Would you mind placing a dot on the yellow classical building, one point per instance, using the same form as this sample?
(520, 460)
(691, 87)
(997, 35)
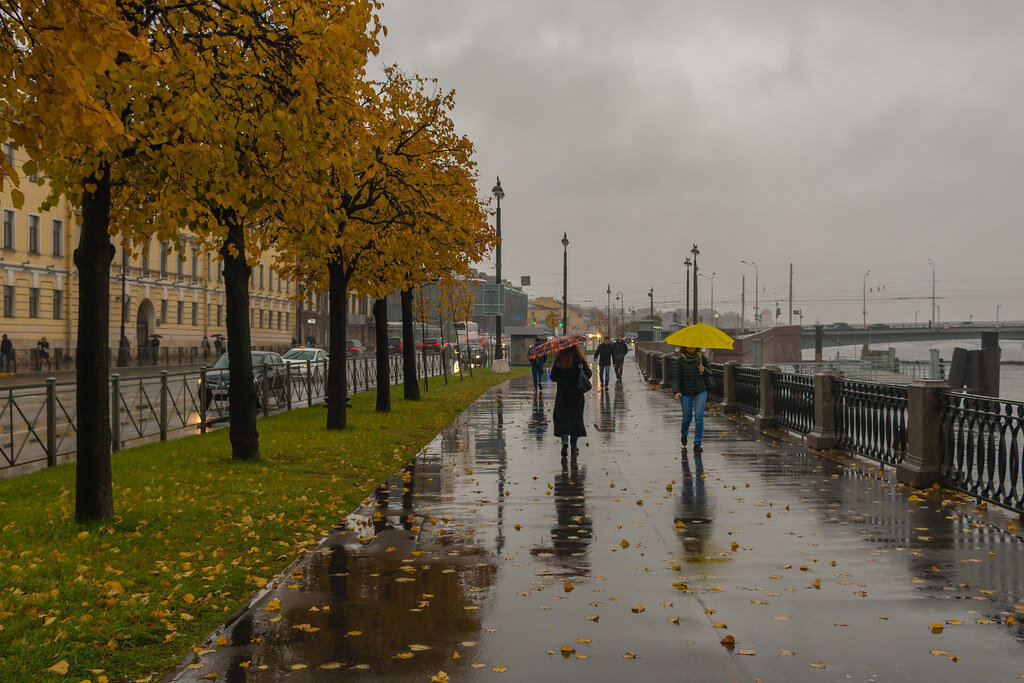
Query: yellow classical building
(176, 293)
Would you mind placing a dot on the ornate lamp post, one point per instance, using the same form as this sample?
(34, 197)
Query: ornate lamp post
(622, 312)
(696, 310)
(688, 263)
(565, 286)
(651, 294)
(864, 289)
(609, 312)
(122, 343)
(757, 311)
(499, 194)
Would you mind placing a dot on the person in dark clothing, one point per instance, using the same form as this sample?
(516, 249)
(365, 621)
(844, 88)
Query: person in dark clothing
(569, 400)
(6, 353)
(619, 350)
(689, 389)
(44, 353)
(603, 356)
(218, 346)
(204, 346)
(537, 364)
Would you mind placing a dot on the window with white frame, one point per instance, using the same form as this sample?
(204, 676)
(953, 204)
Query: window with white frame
(33, 234)
(164, 248)
(8, 301)
(9, 217)
(58, 236)
(195, 313)
(181, 311)
(33, 302)
(58, 304)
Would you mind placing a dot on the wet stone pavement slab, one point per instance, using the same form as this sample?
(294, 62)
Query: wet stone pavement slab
(488, 558)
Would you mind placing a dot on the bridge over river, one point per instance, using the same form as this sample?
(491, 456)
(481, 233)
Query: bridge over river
(883, 334)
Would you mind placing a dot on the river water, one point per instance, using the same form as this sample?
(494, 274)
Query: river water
(1011, 376)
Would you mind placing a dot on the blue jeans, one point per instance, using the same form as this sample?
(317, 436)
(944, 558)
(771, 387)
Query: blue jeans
(538, 374)
(566, 439)
(606, 372)
(693, 405)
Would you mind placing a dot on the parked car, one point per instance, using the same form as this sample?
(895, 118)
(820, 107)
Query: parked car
(473, 354)
(355, 348)
(432, 344)
(263, 363)
(298, 356)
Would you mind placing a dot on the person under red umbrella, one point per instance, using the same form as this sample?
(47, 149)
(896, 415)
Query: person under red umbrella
(567, 417)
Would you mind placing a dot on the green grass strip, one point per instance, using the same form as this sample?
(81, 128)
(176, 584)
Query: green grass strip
(194, 533)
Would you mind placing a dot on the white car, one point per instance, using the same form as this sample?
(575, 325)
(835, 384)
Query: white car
(298, 356)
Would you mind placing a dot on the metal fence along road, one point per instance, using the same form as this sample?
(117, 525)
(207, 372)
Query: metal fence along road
(37, 422)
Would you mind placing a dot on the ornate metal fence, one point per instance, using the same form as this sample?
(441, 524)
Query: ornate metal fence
(718, 373)
(748, 390)
(37, 422)
(871, 419)
(793, 396)
(982, 445)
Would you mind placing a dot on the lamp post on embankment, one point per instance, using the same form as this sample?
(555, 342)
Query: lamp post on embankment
(499, 194)
(565, 285)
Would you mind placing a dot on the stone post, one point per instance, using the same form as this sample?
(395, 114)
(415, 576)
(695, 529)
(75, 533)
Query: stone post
(765, 417)
(729, 386)
(667, 361)
(655, 378)
(924, 412)
(823, 435)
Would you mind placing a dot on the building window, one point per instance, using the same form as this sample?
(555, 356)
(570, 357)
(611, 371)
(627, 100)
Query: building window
(287, 286)
(279, 283)
(33, 302)
(195, 314)
(163, 310)
(220, 314)
(181, 311)
(270, 279)
(58, 304)
(195, 264)
(145, 260)
(181, 264)
(288, 321)
(209, 262)
(8, 229)
(58, 237)
(33, 234)
(220, 271)
(261, 276)
(8, 301)
(9, 153)
(164, 247)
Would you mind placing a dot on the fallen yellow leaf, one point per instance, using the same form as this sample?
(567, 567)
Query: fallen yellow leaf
(61, 667)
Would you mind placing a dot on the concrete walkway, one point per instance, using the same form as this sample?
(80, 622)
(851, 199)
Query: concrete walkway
(487, 559)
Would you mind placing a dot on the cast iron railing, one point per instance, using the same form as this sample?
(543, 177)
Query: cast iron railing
(748, 390)
(793, 397)
(718, 374)
(37, 422)
(982, 445)
(871, 419)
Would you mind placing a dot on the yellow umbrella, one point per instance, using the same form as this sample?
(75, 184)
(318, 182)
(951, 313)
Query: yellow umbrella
(701, 336)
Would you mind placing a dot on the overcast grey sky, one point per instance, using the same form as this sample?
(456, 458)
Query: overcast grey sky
(841, 137)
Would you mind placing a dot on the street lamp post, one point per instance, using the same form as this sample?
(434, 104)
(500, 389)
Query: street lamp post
(609, 312)
(122, 347)
(651, 294)
(687, 263)
(696, 310)
(622, 312)
(757, 309)
(934, 320)
(864, 283)
(712, 279)
(499, 194)
(998, 306)
(565, 286)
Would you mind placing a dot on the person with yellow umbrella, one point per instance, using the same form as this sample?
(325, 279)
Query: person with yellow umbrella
(691, 377)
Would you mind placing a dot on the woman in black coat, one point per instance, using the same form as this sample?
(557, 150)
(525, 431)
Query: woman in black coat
(569, 400)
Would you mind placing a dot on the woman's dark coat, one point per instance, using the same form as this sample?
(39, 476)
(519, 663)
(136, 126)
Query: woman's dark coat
(567, 417)
(686, 377)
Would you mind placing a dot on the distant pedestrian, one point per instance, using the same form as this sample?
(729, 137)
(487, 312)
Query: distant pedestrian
(570, 400)
(619, 350)
(155, 344)
(6, 353)
(603, 356)
(295, 342)
(43, 347)
(690, 389)
(205, 347)
(537, 364)
(218, 346)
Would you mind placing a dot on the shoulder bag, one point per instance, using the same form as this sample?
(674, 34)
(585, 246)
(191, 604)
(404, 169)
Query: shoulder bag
(582, 381)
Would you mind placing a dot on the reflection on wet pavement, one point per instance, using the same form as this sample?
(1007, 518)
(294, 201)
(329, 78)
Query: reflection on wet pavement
(489, 554)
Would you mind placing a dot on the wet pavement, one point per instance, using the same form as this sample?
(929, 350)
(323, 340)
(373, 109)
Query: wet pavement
(488, 558)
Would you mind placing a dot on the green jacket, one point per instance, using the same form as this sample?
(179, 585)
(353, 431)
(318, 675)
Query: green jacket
(686, 378)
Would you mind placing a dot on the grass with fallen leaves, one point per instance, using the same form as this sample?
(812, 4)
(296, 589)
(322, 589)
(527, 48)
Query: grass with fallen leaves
(194, 533)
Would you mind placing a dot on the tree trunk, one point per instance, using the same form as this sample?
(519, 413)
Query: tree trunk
(444, 345)
(243, 399)
(409, 375)
(337, 372)
(380, 321)
(94, 495)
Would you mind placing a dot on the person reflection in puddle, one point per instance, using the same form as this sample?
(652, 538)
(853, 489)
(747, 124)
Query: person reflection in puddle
(574, 529)
(538, 423)
(693, 510)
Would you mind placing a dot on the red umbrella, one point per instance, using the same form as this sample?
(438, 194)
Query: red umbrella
(557, 344)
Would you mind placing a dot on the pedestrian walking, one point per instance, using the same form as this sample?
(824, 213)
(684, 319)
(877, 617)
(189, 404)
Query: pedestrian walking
(205, 347)
(155, 344)
(537, 364)
(43, 347)
(619, 350)
(603, 356)
(6, 353)
(571, 374)
(690, 389)
(218, 346)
